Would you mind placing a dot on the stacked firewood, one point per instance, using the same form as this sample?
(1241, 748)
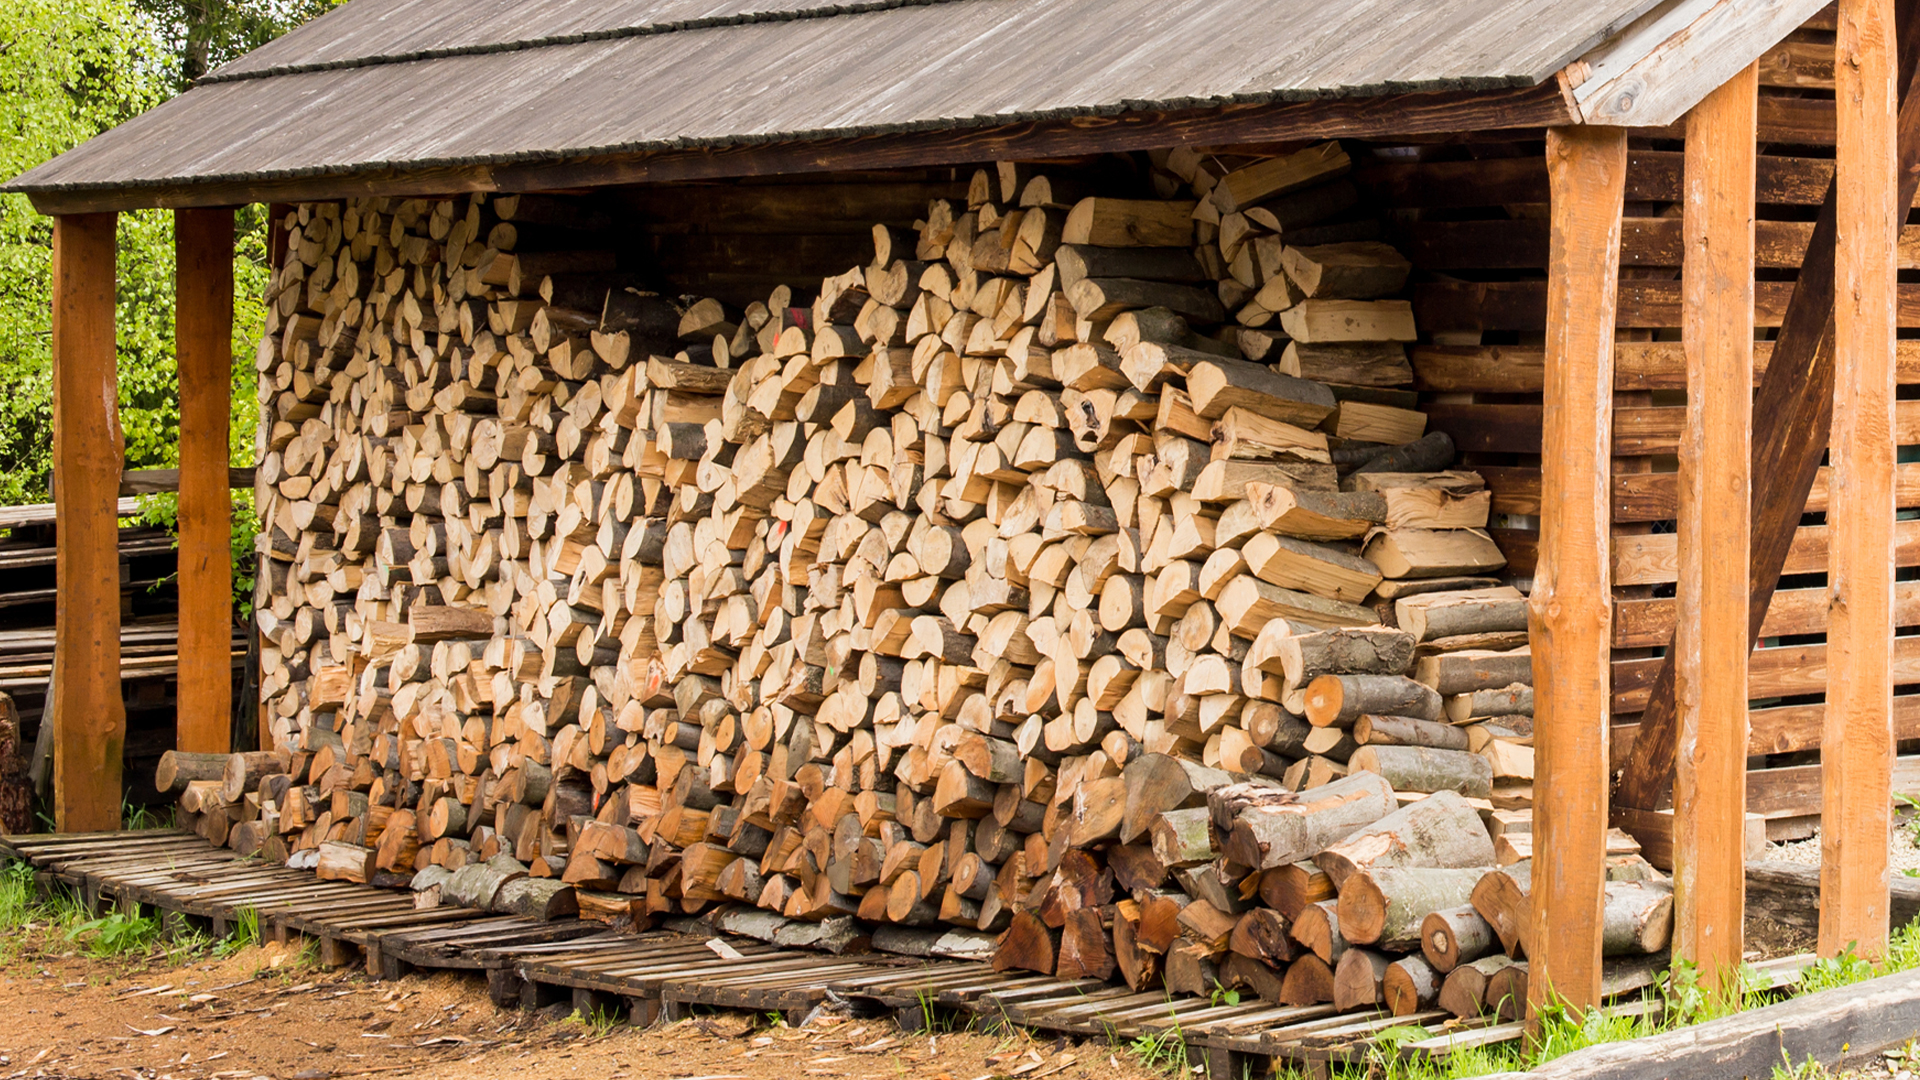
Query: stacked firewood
(1074, 584)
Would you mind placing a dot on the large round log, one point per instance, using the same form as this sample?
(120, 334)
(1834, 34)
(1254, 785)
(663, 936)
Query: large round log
(1456, 936)
(1340, 700)
(544, 899)
(178, 768)
(1439, 830)
(1426, 769)
(1464, 993)
(1638, 917)
(1279, 827)
(1406, 731)
(1357, 979)
(1409, 986)
(243, 772)
(1309, 981)
(1386, 907)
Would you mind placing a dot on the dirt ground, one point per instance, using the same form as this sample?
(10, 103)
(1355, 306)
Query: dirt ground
(268, 1012)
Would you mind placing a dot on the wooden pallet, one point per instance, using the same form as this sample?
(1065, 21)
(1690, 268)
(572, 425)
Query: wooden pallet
(660, 975)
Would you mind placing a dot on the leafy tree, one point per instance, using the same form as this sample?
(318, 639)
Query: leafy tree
(200, 35)
(70, 69)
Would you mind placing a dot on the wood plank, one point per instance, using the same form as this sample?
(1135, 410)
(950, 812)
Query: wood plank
(1655, 69)
(90, 720)
(1710, 643)
(1483, 306)
(1640, 497)
(1652, 176)
(1569, 609)
(1784, 729)
(1442, 113)
(1637, 432)
(1857, 747)
(1789, 893)
(1653, 559)
(1793, 411)
(1777, 672)
(1638, 624)
(1825, 1026)
(203, 350)
(1521, 244)
(1637, 365)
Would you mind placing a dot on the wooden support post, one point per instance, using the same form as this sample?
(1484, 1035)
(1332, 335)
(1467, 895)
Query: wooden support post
(203, 347)
(90, 717)
(1856, 745)
(1571, 609)
(1710, 637)
(1793, 414)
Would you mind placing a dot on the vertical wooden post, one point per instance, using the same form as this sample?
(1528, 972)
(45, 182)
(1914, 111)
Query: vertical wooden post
(1856, 745)
(1710, 636)
(203, 348)
(1571, 609)
(90, 718)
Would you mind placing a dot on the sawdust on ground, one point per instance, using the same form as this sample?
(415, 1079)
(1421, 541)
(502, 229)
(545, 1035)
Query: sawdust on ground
(267, 1012)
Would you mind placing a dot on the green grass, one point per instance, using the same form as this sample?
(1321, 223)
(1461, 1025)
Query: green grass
(1681, 1000)
(145, 818)
(25, 908)
(116, 934)
(1164, 1051)
(599, 1023)
(245, 933)
(1903, 954)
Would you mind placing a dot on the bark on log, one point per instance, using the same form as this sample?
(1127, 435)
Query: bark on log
(1386, 908)
(1440, 830)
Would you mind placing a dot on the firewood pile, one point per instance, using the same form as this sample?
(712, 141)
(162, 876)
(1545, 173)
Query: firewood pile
(1074, 585)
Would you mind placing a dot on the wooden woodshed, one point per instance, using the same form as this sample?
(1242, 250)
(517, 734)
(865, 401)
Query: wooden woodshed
(550, 239)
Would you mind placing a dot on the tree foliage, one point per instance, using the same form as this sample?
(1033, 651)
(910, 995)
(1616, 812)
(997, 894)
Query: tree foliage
(70, 69)
(200, 35)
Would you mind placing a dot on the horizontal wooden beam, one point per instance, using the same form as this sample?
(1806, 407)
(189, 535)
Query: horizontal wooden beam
(1789, 894)
(159, 481)
(1515, 429)
(1776, 672)
(1652, 176)
(1639, 365)
(1372, 117)
(1648, 623)
(1521, 244)
(1650, 559)
(1642, 497)
(1780, 729)
(1649, 305)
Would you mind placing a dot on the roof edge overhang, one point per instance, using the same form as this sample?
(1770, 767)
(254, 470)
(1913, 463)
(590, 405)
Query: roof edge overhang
(1670, 58)
(959, 143)
(1647, 75)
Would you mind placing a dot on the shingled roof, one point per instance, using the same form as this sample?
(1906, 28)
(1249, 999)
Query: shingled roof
(385, 87)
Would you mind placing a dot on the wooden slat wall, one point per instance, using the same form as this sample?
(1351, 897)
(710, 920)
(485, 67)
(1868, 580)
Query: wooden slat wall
(1477, 232)
(736, 240)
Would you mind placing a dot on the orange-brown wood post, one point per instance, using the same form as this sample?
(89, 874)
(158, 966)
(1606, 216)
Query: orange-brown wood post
(1710, 635)
(203, 347)
(1856, 744)
(89, 717)
(1571, 609)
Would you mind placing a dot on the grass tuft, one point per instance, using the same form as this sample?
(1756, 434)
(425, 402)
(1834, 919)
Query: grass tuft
(116, 934)
(598, 1023)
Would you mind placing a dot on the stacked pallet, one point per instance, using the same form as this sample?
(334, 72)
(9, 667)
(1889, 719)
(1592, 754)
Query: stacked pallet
(1025, 592)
